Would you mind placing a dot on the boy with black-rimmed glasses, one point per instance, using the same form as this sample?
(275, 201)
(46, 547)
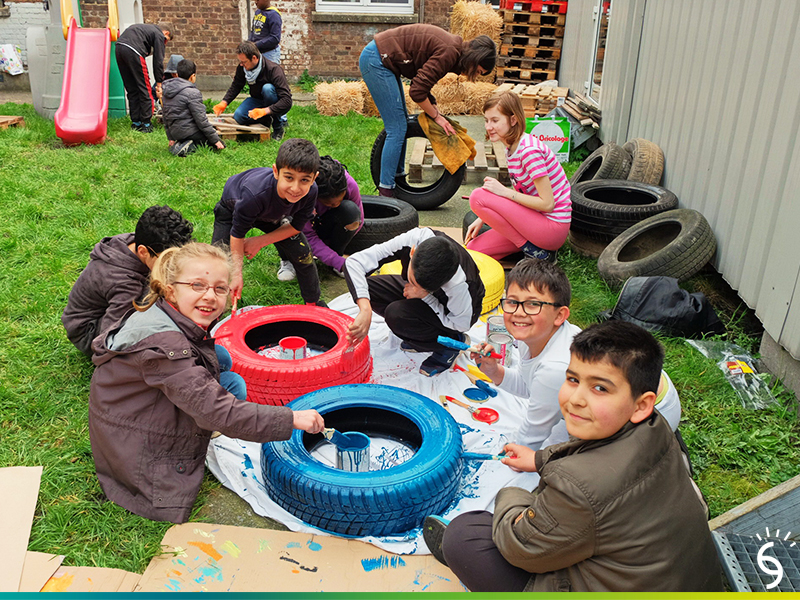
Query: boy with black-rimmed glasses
(535, 311)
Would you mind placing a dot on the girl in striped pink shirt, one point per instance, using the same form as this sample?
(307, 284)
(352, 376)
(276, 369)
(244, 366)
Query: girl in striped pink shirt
(532, 216)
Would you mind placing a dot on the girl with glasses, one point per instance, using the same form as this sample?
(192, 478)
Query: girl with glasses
(155, 395)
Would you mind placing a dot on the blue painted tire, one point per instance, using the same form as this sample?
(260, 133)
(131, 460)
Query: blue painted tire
(375, 503)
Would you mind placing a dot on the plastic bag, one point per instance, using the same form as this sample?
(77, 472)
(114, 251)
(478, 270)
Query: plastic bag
(10, 60)
(738, 367)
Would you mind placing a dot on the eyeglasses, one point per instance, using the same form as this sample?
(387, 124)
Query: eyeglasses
(529, 307)
(202, 288)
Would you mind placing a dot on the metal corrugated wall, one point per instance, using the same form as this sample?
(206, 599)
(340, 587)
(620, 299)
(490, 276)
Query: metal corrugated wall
(716, 86)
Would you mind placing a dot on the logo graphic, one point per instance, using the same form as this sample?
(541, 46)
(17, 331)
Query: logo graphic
(765, 561)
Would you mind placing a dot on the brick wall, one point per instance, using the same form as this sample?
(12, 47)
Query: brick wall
(22, 15)
(208, 32)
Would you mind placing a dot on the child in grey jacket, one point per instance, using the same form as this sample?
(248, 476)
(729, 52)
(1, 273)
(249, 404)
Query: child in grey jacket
(185, 119)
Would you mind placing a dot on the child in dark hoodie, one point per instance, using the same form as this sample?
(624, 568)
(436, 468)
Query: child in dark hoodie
(117, 274)
(184, 113)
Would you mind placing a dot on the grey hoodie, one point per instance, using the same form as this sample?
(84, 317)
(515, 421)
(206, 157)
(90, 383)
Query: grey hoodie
(184, 112)
(105, 290)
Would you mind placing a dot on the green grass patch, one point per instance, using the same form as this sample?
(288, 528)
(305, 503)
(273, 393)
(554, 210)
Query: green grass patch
(60, 201)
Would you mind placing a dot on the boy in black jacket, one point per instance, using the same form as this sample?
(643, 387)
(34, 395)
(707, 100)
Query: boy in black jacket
(136, 43)
(184, 113)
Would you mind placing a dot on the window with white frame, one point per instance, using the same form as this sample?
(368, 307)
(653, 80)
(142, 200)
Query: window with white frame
(393, 7)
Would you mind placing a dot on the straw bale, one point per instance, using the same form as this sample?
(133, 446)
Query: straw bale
(448, 89)
(475, 94)
(369, 109)
(470, 19)
(453, 108)
(339, 98)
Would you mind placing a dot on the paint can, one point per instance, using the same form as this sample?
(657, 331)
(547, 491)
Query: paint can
(497, 335)
(353, 457)
(292, 347)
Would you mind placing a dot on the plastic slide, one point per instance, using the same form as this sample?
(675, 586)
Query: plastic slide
(82, 116)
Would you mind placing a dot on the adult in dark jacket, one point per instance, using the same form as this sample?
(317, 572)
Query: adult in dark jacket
(117, 274)
(424, 54)
(184, 113)
(270, 94)
(155, 398)
(136, 43)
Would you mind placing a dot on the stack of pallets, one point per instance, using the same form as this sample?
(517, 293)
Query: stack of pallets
(533, 32)
(11, 121)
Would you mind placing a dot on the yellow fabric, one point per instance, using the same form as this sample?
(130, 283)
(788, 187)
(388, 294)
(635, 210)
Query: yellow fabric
(452, 150)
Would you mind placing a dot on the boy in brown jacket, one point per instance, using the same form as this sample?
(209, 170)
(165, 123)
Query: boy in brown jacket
(615, 510)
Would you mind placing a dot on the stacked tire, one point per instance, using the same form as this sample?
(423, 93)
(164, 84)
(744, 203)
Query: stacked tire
(612, 190)
(384, 218)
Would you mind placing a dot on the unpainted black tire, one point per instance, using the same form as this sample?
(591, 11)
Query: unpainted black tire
(375, 503)
(604, 208)
(677, 243)
(420, 197)
(384, 219)
(647, 161)
(469, 218)
(585, 246)
(609, 161)
(277, 382)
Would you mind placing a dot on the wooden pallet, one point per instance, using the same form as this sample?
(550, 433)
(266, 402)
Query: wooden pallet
(524, 62)
(534, 18)
(490, 161)
(530, 31)
(11, 121)
(505, 75)
(228, 129)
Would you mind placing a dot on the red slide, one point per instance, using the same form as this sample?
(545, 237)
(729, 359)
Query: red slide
(82, 116)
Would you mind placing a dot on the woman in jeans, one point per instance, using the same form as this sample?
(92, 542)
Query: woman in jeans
(423, 54)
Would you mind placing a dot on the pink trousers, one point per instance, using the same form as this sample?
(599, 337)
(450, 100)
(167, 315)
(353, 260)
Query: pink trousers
(512, 225)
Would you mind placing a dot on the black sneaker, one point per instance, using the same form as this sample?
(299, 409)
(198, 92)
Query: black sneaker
(277, 134)
(144, 128)
(438, 362)
(541, 254)
(409, 347)
(184, 148)
(433, 533)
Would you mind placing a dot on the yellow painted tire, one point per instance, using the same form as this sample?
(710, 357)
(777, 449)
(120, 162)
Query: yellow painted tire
(492, 275)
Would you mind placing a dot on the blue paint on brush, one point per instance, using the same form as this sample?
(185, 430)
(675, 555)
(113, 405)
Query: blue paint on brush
(382, 562)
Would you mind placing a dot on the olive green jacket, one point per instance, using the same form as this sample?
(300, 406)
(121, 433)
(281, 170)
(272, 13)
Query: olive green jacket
(618, 515)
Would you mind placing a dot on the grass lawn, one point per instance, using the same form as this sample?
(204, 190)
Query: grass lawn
(60, 201)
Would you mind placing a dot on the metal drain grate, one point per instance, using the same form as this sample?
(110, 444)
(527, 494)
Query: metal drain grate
(739, 557)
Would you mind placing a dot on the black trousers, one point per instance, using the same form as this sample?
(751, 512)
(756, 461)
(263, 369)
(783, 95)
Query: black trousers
(136, 79)
(331, 225)
(411, 320)
(472, 555)
(295, 248)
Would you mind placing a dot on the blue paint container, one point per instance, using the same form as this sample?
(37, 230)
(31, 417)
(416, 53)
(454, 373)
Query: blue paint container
(476, 395)
(353, 456)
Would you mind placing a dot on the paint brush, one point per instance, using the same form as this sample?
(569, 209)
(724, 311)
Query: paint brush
(336, 438)
(456, 345)
(443, 400)
(479, 456)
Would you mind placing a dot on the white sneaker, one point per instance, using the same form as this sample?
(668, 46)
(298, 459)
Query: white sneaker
(286, 271)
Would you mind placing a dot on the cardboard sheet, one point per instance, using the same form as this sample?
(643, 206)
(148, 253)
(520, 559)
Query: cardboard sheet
(91, 579)
(220, 558)
(19, 488)
(38, 568)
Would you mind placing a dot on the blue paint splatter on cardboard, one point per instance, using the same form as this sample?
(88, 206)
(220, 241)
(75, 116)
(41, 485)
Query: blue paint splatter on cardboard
(382, 562)
(293, 545)
(313, 546)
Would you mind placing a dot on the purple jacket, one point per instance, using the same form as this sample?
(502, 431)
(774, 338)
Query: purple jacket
(105, 290)
(321, 250)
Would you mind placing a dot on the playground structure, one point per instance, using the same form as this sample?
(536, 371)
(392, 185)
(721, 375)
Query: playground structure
(47, 46)
(82, 116)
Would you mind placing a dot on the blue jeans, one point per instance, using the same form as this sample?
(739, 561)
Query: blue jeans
(233, 382)
(269, 96)
(387, 92)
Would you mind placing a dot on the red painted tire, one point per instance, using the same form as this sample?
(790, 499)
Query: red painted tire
(278, 382)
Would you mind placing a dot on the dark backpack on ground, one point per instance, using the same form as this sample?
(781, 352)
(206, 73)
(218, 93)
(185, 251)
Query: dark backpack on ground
(659, 304)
